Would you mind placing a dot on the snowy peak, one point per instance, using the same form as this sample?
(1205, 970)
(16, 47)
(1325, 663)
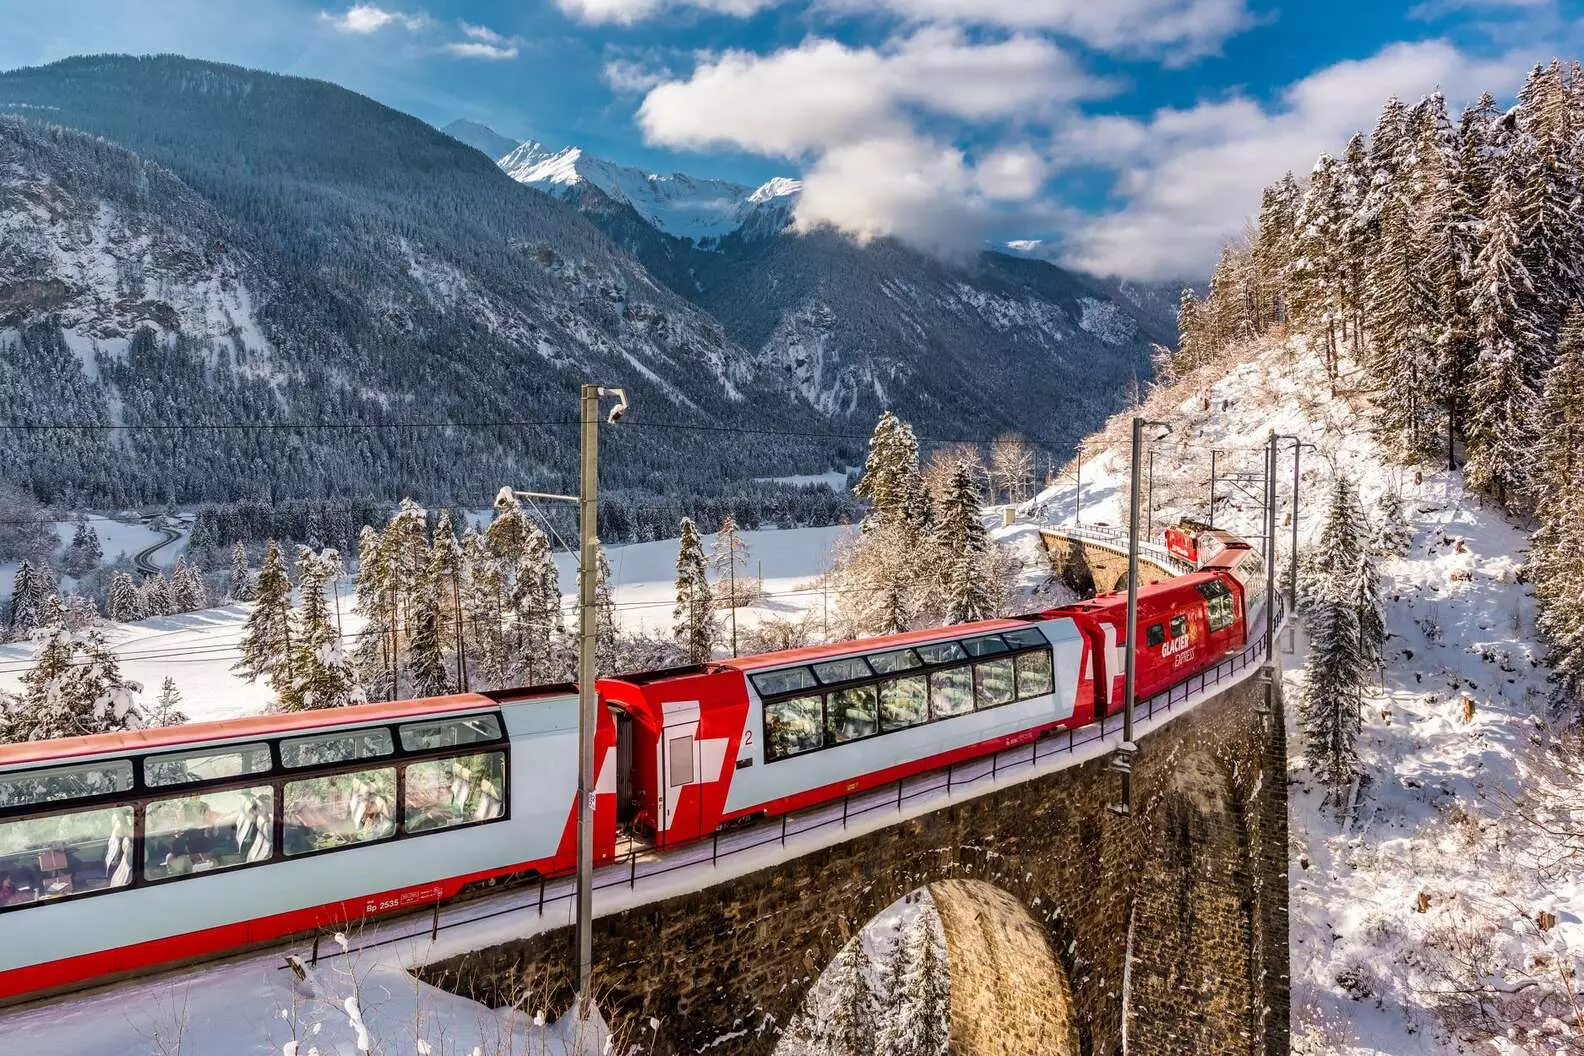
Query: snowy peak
(705, 211)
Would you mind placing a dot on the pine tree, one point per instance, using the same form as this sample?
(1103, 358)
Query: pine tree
(167, 706)
(847, 1027)
(535, 605)
(74, 689)
(426, 651)
(448, 573)
(267, 650)
(693, 619)
(1500, 433)
(376, 657)
(84, 553)
(891, 472)
(920, 1002)
(187, 588)
(964, 546)
(484, 608)
(1273, 246)
(121, 601)
(321, 677)
(241, 587)
(29, 588)
(1557, 557)
(606, 639)
(1393, 535)
(1191, 340)
(154, 596)
(1315, 279)
(1337, 590)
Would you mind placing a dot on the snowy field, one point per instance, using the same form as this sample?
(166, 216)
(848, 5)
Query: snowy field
(198, 649)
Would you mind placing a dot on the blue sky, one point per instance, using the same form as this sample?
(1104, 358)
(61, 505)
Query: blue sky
(1131, 135)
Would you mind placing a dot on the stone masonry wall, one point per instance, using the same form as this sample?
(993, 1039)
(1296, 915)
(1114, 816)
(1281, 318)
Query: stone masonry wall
(1193, 882)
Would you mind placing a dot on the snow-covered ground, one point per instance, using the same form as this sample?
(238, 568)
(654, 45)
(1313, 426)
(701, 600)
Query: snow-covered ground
(198, 649)
(1436, 882)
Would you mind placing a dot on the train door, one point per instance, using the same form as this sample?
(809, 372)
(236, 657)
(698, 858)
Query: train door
(625, 807)
(681, 768)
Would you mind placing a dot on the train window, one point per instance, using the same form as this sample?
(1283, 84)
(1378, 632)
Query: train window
(65, 854)
(206, 831)
(182, 768)
(847, 669)
(904, 702)
(440, 793)
(941, 653)
(1155, 635)
(794, 725)
(851, 714)
(1179, 626)
(325, 812)
(986, 646)
(1221, 612)
(451, 733)
(993, 684)
(1026, 638)
(337, 748)
(34, 787)
(789, 680)
(951, 692)
(891, 663)
(1034, 674)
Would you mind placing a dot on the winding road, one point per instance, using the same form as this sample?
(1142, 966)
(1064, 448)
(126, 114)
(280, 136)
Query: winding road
(144, 561)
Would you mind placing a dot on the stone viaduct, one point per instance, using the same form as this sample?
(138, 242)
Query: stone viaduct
(1067, 922)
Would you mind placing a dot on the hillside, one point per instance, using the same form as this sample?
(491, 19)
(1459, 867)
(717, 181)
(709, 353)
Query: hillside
(1437, 913)
(365, 269)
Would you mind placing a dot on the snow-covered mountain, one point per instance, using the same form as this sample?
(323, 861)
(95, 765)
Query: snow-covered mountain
(704, 211)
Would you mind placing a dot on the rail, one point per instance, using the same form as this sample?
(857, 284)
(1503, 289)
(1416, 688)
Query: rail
(626, 871)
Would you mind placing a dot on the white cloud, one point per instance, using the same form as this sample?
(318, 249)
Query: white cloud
(871, 124)
(1189, 178)
(367, 18)
(626, 77)
(626, 12)
(478, 49)
(1431, 9)
(1181, 29)
(483, 43)
(822, 93)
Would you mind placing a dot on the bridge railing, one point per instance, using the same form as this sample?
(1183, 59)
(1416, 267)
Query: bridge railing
(638, 864)
(1115, 539)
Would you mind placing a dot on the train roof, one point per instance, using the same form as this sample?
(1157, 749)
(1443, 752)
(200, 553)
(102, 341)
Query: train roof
(870, 645)
(1147, 593)
(133, 742)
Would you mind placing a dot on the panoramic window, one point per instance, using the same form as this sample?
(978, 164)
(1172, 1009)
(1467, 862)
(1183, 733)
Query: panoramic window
(440, 793)
(792, 679)
(847, 669)
(65, 782)
(951, 692)
(941, 653)
(794, 725)
(904, 702)
(987, 646)
(64, 854)
(451, 733)
(325, 812)
(993, 683)
(1025, 638)
(891, 663)
(851, 714)
(181, 768)
(207, 831)
(1034, 673)
(337, 748)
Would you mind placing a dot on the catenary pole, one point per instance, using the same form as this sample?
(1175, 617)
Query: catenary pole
(588, 697)
(1270, 548)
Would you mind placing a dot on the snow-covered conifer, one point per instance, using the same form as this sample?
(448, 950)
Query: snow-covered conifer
(964, 548)
(431, 674)
(167, 706)
(187, 588)
(483, 605)
(918, 1019)
(321, 676)
(241, 586)
(890, 472)
(693, 618)
(74, 689)
(29, 588)
(267, 650)
(154, 596)
(376, 656)
(1557, 557)
(121, 600)
(84, 553)
(847, 1027)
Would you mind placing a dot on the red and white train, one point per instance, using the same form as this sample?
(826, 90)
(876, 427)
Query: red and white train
(127, 852)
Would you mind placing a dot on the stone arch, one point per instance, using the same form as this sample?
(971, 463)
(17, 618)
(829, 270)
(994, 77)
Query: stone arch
(1010, 994)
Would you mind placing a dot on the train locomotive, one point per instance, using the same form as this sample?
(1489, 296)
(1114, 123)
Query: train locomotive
(125, 853)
